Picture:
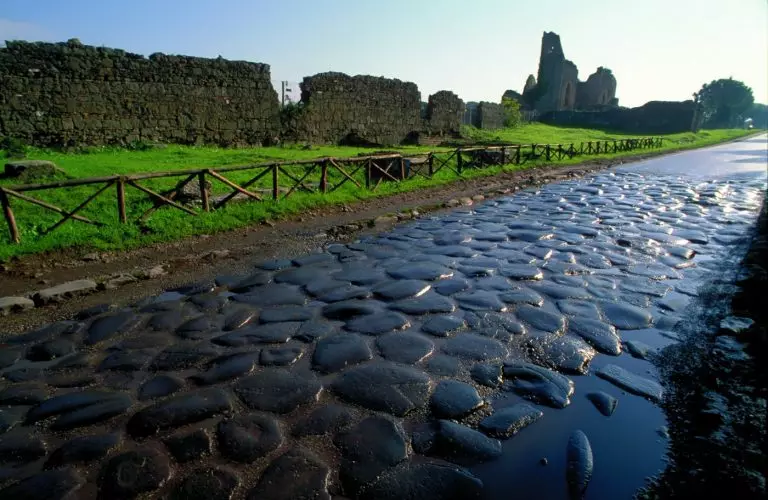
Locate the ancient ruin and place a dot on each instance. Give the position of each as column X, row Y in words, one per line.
column 558, row 87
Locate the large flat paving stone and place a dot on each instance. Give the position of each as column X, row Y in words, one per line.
column 507, row 422
column 298, row 473
column 248, row 437
column 538, row 383
column 633, row 383
column 277, row 390
column 474, row 347
column 335, row 353
column 179, row 410
column 426, row 481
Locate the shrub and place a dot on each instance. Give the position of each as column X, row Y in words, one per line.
column 14, row 148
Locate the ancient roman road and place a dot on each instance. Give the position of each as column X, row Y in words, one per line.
column 498, row 351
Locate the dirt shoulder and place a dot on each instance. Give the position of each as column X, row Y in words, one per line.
column 202, row 258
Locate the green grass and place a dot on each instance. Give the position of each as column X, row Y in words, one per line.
column 169, row 224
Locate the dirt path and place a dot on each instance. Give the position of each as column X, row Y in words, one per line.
column 201, row 258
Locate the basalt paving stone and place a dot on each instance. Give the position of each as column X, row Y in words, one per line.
column 540, row 319
column 654, row 271
column 638, row 349
column 401, row 289
column 443, row 326
column 522, row 296
column 605, row 403
column 449, row 287
column 442, row 366
column 48, row 332
column 134, row 472
column 208, row 302
column 487, row 374
column 71, row 403
column 600, row 335
column 538, row 383
column 384, row 386
column 166, row 321
column 368, row 449
column 345, row 292
column 625, row 316
column 11, row 416
column 464, row 445
column 272, row 295
column 521, row 272
column 507, row 422
column 406, row 348
column 480, row 300
column 567, row 354
column 529, row 236
column 248, row 437
column 188, row 446
column 23, row 394
column 428, row 303
column 59, row 483
column 453, row 399
column 238, row 317
column 280, row 356
column 633, row 383
column 348, row 309
column 196, row 325
column 313, row 330
column 227, row 367
column 378, row 323
column 286, row 313
column 320, row 286
column 20, row 448
column 361, row 275
column 183, row 355
column 426, row 481
column 126, row 361
column 277, row 390
column 340, row 351
column 206, row 483
column 323, row 420
column 8, row 356
column 421, row 271
column 540, row 252
column 566, row 268
column 579, row 308
column 179, row 410
column 560, row 291
column 498, row 322
column 160, row 386
column 474, row 347
column 270, row 333
column 304, row 275
column 49, row 350
column 298, row 473
column 83, row 449
column 105, row 327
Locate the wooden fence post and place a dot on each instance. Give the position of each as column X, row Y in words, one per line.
column 402, row 169
column 275, row 183
column 548, row 153
column 324, row 176
column 12, row 228
column 559, row 151
column 459, row 160
column 204, row 192
column 503, row 156
column 518, row 154
column 121, row 212
column 368, row 168
column 431, row 164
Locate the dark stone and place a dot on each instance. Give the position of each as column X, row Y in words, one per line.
column 248, row 437
column 480, row 300
column 238, row 318
column 625, row 316
column 180, row 410
column 277, row 390
column 423, row 271
column 428, row 303
column 368, row 449
column 23, row 394
column 633, row 383
column 275, row 265
column 208, row 483
column 312, row 330
column 189, row 446
column 579, row 308
column 601, row 336
column 604, row 402
column 91, row 414
column 407, row 348
column 521, row 272
column 314, row 259
column 181, row 356
column 11, row 416
column 401, row 289
column 384, row 386
column 444, row 366
column 494, row 283
column 256, row 279
column 638, row 349
column 567, row 354
column 324, row 420
column 348, row 309
column 296, row 474
column 83, row 449
column 454, row 399
column 464, row 445
column 475, row 347
column 378, row 323
column 426, row 481
column 134, row 472
column 340, row 351
column 50, row 350
column 272, row 295
column 487, row 374
column 280, row 356
column 69, row 402
column 344, row 292
column 538, row 384
column 23, row 374
column 540, row 319
column 166, row 321
column 286, row 313
column 443, row 326
column 361, row 275
column 304, row 275
column 208, row 302
column 227, row 368
column 47, row 485
column 451, row 286
column 21, row 448
column 193, row 328
column 579, row 464
column 270, row 333
column 106, row 327
column 8, row 356
column 561, row 291
column 93, row 311
column 127, row 361
column 159, row 386
column 509, row 421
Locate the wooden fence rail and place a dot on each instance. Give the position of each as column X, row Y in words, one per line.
column 289, row 177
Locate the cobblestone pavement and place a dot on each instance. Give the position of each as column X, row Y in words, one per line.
column 386, row 368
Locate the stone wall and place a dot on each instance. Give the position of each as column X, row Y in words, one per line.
column 598, row 91
column 68, row 93
column 338, row 108
column 655, row 117
column 489, row 115
column 444, row 113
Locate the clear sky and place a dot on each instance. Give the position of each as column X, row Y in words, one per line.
column 658, row 49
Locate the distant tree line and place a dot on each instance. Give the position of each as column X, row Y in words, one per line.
column 727, row 103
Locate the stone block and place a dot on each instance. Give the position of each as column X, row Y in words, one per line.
column 13, row 304
column 64, row 291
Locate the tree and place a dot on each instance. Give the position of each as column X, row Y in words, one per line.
column 724, row 103
column 512, row 115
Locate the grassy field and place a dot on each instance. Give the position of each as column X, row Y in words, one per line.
column 168, row 224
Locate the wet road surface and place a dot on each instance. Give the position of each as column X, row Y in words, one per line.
column 500, row 351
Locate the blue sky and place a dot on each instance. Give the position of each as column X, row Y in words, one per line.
column 658, row 49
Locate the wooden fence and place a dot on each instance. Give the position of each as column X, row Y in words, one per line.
column 279, row 180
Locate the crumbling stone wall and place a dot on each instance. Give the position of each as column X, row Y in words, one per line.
column 598, row 91
column 489, row 115
column 338, row 108
column 655, row 117
column 68, row 93
column 444, row 112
